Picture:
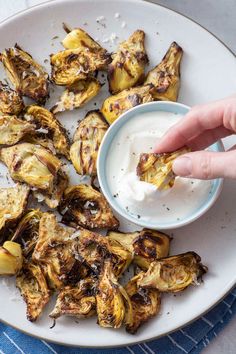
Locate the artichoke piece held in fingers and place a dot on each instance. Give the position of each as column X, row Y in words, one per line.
column 87, row 140
column 26, row 75
column 33, row 287
column 157, row 168
column 127, row 66
column 11, row 101
column 85, row 206
column 165, row 77
column 173, row 274
column 114, row 106
column 78, row 301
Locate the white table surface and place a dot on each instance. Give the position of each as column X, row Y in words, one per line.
column 218, row 16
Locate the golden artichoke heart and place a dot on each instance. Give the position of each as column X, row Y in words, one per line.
column 165, row 77
column 157, row 168
column 85, row 206
column 33, row 287
column 145, row 304
column 11, row 101
column 127, row 66
column 10, row 258
column 56, row 132
column 78, row 301
column 13, row 129
column 114, row 106
column 173, row 274
column 87, row 140
column 26, row 75
column 77, row 95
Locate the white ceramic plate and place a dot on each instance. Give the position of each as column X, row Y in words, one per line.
column 208, row 72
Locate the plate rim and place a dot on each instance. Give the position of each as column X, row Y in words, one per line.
column 232, row 284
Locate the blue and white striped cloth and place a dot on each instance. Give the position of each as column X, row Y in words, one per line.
column 191, row 339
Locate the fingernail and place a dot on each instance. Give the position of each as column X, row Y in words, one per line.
column 182, row 166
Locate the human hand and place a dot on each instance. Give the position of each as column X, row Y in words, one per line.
column 201, row 127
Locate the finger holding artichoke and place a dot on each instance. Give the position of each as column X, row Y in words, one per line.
column 11, row 101
column 157, row 168
column 173, row 274
column 165, row 77
column 115, row 105
column 26, row 75
column 85, row 206
column 128, row 63
column 87, row 140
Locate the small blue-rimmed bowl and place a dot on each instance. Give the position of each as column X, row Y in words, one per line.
column 165, row 106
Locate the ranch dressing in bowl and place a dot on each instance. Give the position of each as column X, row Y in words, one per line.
column 140, row 199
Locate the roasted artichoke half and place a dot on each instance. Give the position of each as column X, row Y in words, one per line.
column 31, row 164
column 173, row 274
column 112, row 299
column 33, row 287
column 78, row 301
column 165, row 77
column 71, row 65
column 10, row 258
column 87, row 140
column 85, row 206
column 146, row 245
column 77, row 95
column 26, row 75
column 128, row 63
column 13, row 202
column 145, row 304
column 94, row 249
column 54, row 251
column 114, row 106
column 27, row 231
column 56, row 132
column 157, row 168
column 13, row 129
column 11, row 101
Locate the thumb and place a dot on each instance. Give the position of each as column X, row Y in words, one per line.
column 206, row 165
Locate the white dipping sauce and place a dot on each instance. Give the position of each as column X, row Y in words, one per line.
column 141, row 199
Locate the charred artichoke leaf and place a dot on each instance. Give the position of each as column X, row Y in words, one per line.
column 145, row 246
column 10, row 258
column 77, row 95
column 55, row 251
column 112, row 299
column 94, row 249
column 27, row 231
column 26, row 75
column 87, row 140
column 33, row 287
column 45, row 119
column 71, row 65
column 115, row 105
column 41, row 139
column 13, row 202
column 11, row 101
column 157, row 168
column 165, row 77
column 145, row 304
column 78, row 301
column 13, row 129
column 128, row 63
column 173, row 274
column 85, row 206
column 31, row 164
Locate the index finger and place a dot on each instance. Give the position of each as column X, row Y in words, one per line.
column 198, row 120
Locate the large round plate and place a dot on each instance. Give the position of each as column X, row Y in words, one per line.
column 208, row 72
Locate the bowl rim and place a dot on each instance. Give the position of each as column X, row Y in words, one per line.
column 101, row 168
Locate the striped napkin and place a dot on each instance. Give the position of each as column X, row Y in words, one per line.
column 191, row 339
